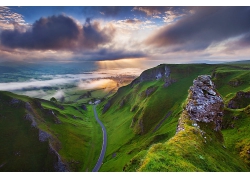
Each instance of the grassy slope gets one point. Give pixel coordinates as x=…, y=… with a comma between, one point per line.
x=78, y=140
x=235, y=121
x=189, y=150
x=125, y=145
x=123, y=141
x=20, y=148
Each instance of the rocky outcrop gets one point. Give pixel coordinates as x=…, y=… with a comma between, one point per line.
x=150, y=90
x=31, y=118
x=204, y=104
x=168, y=82
x=14, y=101
x=122, y=103
x=84, y=107
x=51, y=113
x=43, y=136
x=152, y=74
x=235, y=82
x=59, y=165
x=106, y=107
x=241, y=100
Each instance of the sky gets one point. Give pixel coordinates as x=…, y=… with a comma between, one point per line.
x=124, y=34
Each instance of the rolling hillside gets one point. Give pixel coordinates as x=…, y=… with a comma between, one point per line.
x=146, y=112
x=39, y=135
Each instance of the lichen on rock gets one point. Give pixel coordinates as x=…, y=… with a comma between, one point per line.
x=204, y=104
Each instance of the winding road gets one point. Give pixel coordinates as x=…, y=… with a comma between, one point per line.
x=104, y=143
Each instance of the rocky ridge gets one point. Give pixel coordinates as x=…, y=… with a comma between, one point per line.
x=152, y=74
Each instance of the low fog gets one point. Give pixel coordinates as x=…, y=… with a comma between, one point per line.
x=57, y=80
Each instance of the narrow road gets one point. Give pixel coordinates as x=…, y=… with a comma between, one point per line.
x=104, y=143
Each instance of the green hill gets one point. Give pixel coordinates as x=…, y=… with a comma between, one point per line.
x=38, y=135
x=143, y=122
x=143, y=116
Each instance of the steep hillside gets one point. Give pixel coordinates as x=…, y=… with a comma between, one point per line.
x=198, y=144
x=146, y=112
x=39, y=135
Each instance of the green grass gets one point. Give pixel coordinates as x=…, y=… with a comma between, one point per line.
x=77, y=138
x=80, y=138
x=189, y=150
x=125, y=141
x=236, y=132
x=130, y=121
x=20, y=148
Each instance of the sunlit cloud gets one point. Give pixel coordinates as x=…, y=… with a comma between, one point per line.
x=171, y=16
x=9, y=19
x=150, y=11
x=97, y=84
x=115, y=33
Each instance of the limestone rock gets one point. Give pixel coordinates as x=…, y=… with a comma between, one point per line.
x=204, y=103
x=43, y=136
x=152, y=74
x=241, y=100
x=106, y=107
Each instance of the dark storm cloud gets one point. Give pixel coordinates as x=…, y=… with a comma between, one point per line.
x=54, y=32
x=109, y=54
x=206, y=26
x=57, y=32
x=93, y=35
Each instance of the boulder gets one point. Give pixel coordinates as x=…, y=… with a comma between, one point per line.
x=204, y=104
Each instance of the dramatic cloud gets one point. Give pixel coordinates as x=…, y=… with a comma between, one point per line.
x=54, y=32
x=93, y=35
x=151, y=10
x=206, y=25
x=58, y=32
x=111, y=54
x=8, y=18
x=171, y=16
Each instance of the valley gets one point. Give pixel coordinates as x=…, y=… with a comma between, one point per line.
x=141, y=119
